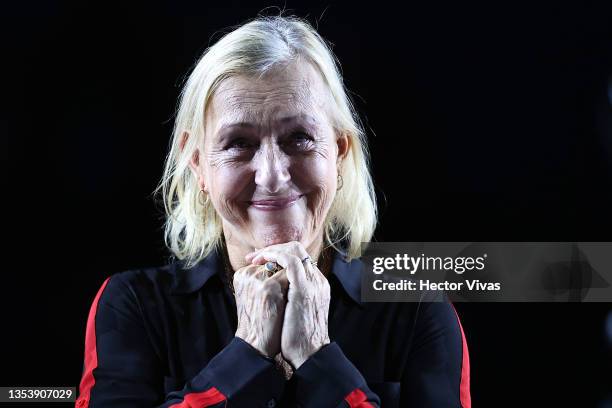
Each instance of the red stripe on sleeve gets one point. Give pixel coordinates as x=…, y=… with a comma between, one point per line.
x=91, y=354
x=201, y=399
x=357, y=399
x=464, y=388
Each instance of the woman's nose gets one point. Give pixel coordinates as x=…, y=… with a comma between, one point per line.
x=271, y=168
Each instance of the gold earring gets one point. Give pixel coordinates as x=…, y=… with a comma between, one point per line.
x=199, y=197
x=340, y=182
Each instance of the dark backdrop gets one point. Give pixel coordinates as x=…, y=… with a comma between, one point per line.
x=487, y=123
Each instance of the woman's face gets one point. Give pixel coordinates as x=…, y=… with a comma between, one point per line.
x=271, y=156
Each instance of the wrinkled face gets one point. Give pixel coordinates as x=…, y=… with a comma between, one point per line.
x=271, y=157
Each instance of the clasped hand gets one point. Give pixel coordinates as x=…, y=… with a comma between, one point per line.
x=287, y=312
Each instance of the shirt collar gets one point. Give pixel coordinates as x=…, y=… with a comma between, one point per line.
x=349, y=275
x=188, y=280
x=191, y=280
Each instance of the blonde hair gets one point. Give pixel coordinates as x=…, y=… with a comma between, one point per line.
x=194, y=229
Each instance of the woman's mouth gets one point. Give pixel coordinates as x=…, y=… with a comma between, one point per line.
x=274, y=204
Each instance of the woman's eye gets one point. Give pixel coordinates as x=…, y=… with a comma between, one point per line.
x=300, y=139
x=239, y=143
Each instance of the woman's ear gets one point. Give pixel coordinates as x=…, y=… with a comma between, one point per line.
x=194, y=161
x=344, y=144
x=183, y=142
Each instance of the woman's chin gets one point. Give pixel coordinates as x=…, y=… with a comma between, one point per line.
x=278, y=234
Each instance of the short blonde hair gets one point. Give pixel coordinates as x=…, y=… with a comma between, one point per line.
x=194, y=229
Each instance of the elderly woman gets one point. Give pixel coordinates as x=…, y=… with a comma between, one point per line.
x=268, y=198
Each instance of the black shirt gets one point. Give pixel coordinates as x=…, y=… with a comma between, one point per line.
x=164, y=336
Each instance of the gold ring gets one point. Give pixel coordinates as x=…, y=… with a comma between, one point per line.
x=271, y=268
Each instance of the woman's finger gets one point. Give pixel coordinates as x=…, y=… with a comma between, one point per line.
x=281, y=278
x=293, y=247
x=255, y=271
x=296, y=273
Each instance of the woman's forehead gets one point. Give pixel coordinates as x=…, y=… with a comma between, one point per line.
x=296, y=92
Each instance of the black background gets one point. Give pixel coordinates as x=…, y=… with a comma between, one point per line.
x=488, y=122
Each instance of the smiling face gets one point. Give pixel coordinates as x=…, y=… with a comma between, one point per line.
x=271, y=156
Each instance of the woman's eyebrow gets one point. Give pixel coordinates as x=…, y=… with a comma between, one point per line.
x=225, y=128
x=241, y=125
x=297, y=118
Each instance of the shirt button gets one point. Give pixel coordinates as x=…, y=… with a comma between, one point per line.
x=271, y=403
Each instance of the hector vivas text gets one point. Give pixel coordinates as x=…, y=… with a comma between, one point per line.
x=412, y=265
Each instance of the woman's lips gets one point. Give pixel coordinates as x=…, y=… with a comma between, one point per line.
x=276, y=203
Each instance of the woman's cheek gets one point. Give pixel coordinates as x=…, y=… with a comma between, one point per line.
x=316, y=169
x=228, y=185
x=321, y=186
x=318, y=204
x=228, y=210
